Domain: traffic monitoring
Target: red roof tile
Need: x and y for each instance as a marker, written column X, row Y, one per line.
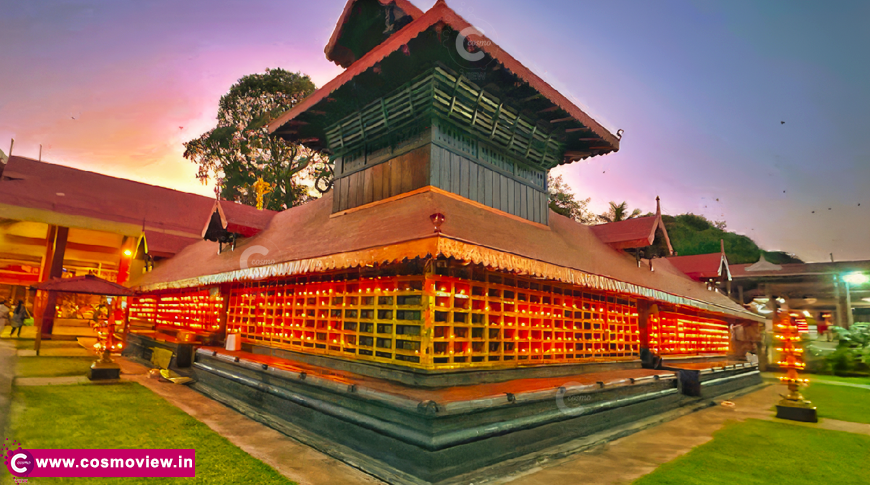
column 239, row 218
column 166, row 245
column 309, row 231
column 88, row 284
column 701, row 266
column 99, row 201
column 633, row 233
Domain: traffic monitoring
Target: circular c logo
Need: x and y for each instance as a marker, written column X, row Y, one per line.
column 460, row 45
column 574, row 403
column 247, row 253
column 21, row 463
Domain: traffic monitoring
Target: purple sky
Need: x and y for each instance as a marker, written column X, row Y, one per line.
column 699, row 87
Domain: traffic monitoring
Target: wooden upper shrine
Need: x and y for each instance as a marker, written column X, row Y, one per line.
column 418, row 106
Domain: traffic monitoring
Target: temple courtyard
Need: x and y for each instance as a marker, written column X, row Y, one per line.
column 734, row 438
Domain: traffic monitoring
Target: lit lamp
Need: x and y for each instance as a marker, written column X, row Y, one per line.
column 792, row 406
column 852, row 279
column 105, row 367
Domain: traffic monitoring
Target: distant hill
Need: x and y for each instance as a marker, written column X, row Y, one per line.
column 692, row 234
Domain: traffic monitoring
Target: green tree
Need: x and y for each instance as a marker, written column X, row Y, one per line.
column 619, row 212
column 240, row 148
column 564, row 202
column 693, row 234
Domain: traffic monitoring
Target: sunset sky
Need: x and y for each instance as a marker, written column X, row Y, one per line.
column 701, row 89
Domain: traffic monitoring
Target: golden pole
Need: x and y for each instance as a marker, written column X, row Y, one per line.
column 262, row 188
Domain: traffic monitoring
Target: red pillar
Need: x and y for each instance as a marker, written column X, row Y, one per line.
column 127, row 250
column 52, row 267
column 643, row 314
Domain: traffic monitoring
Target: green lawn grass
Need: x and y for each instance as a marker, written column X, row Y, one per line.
column 53, row 366
column 27, row 343
column 864, row 381
column 127, row 415
column 758, row 451
column 840, row 402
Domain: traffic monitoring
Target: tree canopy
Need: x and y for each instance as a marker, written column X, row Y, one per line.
column 240, row 148
column 693, row 234
column 564, row 202
column 619, row 212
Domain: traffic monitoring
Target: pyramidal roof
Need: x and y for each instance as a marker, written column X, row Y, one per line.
column 306, row 122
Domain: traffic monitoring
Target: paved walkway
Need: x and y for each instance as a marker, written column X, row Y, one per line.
column 294, row 460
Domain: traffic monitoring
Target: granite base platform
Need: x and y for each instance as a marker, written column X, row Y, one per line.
column 442, row 378
column 412, row 434
column 139, row 347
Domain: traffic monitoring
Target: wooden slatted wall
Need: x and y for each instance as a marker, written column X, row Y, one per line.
column 460, row 175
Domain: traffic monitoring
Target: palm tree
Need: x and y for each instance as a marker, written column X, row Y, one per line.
column 619, row 212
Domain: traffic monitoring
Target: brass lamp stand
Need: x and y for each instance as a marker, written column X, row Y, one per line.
column 792, row 406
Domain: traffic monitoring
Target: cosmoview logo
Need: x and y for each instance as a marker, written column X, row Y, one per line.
column 468, row 50
column 474, row 45
column 19, row 462
column 246, row 260
column 572, row 404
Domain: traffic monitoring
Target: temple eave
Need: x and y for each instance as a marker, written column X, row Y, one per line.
column 446, row 246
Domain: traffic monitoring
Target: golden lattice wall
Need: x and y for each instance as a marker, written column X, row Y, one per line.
column 196, row 311
column 674, row 334
column 437, row 321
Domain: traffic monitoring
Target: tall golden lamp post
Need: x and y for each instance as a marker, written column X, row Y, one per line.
column 792, row 406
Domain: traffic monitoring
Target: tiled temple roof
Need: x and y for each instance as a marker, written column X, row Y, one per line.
column 310, row 239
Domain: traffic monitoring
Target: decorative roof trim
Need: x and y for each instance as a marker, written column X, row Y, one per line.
column 451, row 248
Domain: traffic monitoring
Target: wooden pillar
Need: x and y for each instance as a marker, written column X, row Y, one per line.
column 643, row 312
column 52, row 267
column 734, row 346
column 126, row 258
column 225, row 309
column 45, row 268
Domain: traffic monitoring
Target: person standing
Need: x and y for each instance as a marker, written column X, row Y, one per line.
column 18, row 316
column 4, row 316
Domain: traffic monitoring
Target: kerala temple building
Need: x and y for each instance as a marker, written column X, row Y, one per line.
column 430, row 316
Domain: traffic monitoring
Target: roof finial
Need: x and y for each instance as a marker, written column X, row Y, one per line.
column 658, row 205
column 722, row 245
